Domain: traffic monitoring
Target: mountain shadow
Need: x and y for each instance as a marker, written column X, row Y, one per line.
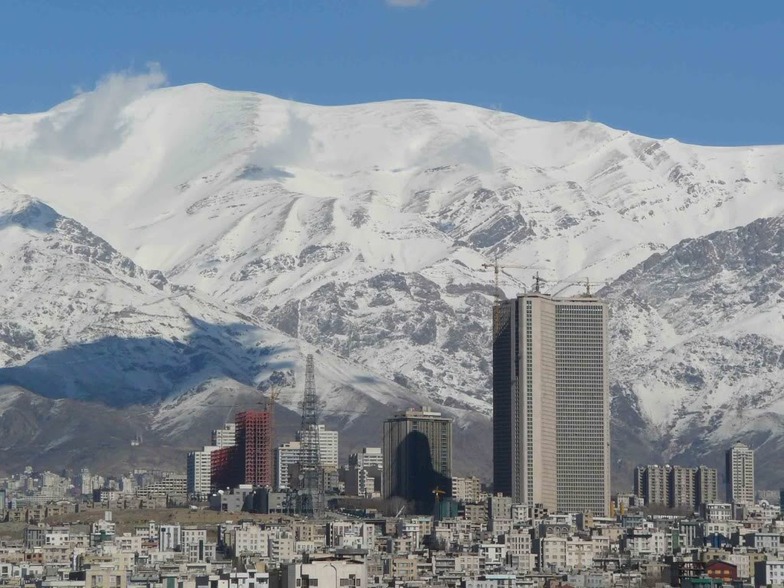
column 122, row 371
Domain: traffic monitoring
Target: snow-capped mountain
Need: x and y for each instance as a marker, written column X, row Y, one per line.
column 362, row 229
column 82, row 322
column 698, row 345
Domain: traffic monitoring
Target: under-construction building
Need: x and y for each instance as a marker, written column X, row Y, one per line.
column 250, row 459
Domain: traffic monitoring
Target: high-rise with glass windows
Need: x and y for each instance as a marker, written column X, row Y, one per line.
column 551, row 418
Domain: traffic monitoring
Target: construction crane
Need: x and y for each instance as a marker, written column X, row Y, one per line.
column 497, row 267
column 585, row 282
column 438, row 493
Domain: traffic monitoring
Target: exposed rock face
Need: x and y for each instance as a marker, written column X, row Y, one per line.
column 96, row 349
column 698, row 346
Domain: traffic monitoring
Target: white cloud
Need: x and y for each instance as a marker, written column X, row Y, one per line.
column 406, row 3
column 470, row 149
column 94, row 123
column 294, row 145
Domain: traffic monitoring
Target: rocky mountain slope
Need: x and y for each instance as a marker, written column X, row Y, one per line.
column 362, row 230
column 698, row 347
column 82, row 323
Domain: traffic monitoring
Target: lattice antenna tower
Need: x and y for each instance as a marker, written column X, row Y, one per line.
column 310, row 402
column 312, row 482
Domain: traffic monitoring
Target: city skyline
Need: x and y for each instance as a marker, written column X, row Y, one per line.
column 391, row 294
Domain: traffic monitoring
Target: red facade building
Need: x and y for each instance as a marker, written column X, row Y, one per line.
column 721, row 570
column 250, row 460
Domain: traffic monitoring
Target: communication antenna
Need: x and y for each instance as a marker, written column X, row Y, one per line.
column 310, row 471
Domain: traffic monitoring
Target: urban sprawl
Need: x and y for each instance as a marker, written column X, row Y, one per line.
column 252, row 513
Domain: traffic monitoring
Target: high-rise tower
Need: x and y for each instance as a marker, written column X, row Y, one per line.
column 417, row 457
column 249, row 460
column 740, row 474
column 705, row 486
column 551, row 425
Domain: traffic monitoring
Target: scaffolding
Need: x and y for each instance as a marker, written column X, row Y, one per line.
column 255, row 447
column 250, row 459
column 223, row 473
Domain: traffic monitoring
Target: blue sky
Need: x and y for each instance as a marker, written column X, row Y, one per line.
column 708, row 72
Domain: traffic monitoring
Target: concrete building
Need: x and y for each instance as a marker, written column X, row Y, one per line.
column 170, row 485
column 467, row 489
column 558, row 554
column 676, row 486
column 358, row 482
column 740, row 474
column 680, row 487
column 716, row 512
column 705, row 486
column 551, row 427
column 769, row 573
column 169, row 537
column 651, row 483
column 364, row 474
column 286, row 455
column 417, row 453
column 224, row 437
column 367, row 457
column 199, row 469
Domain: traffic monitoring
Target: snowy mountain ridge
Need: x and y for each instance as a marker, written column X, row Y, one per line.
column 362, row 229
column 81, row 321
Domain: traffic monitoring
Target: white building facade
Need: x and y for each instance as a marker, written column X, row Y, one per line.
column 199, row 472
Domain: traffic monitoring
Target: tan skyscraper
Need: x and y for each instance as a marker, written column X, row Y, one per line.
column 551, row 425
column 740, row 474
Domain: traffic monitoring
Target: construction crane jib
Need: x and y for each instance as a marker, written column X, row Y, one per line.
column 587, row 283
column 497, row 267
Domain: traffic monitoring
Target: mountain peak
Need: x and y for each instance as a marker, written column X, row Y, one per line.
column 25, row 211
